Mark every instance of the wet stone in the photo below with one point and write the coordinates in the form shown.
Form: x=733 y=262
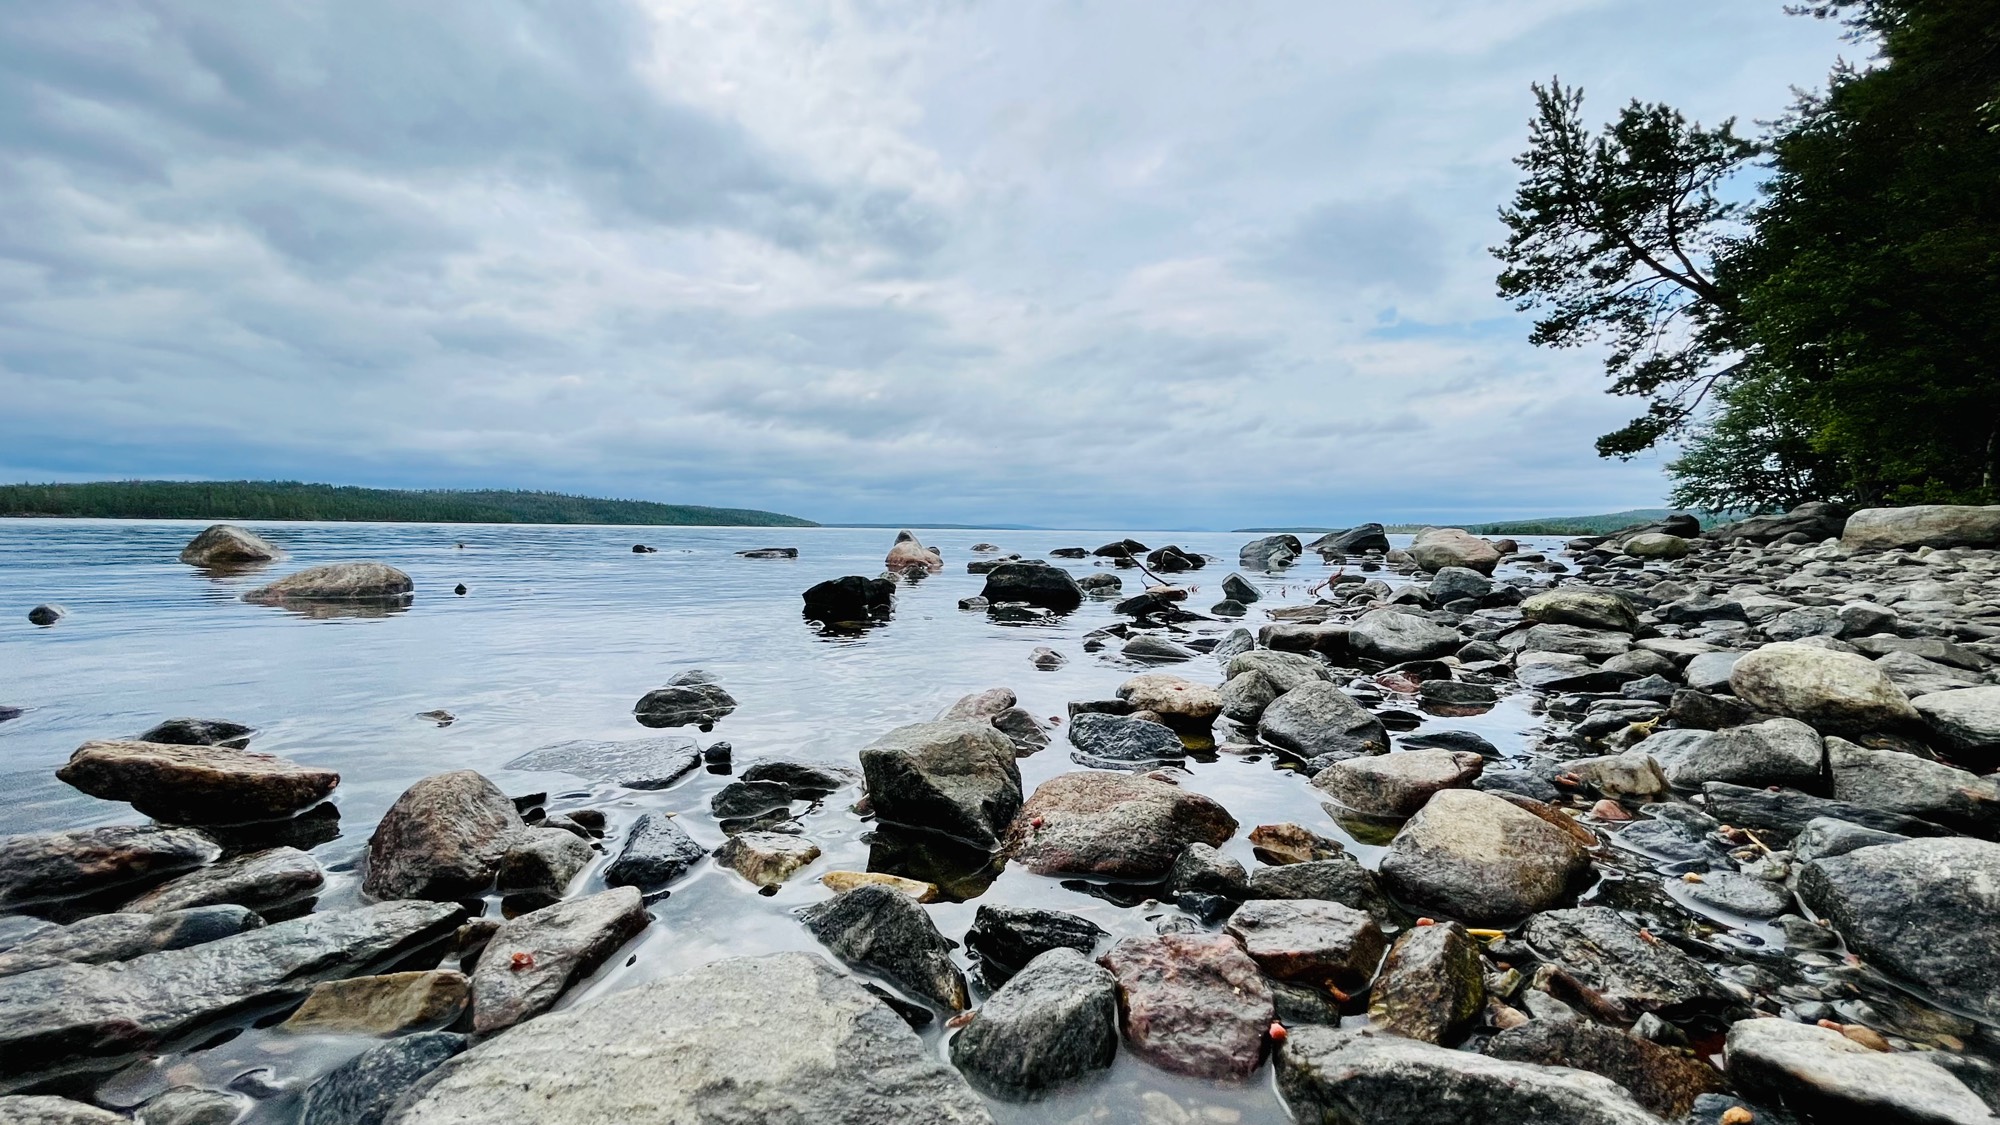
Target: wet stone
x=766 y=858
x=260 y=880
x=1605 y=953
x=1663 y=1080
x=393 y=1004
x=878 y=929
x=199 y=732
x=657 y=851
x=1116 y=825
x=1309 y=939
x=197 y=784
x=362 y=1090
x=533 y=959
x=1006 y=938
x=1432 y=985
x=691 y=699
x=53 y=865
x=1193 y=1004
x=442 y=839
x=1055 y=1021
x=1117 y=742
x=639 y=763
x=121 y=937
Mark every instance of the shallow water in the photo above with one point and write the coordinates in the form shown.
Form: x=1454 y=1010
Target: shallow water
x=561 y=631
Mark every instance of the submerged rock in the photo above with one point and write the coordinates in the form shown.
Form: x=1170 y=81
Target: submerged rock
x=1482 y=858
x=1117 y=825
x=958 y=779
x=657 y=851
x=199 y=732
x=879 y=929
x=197 y=784
x=691 y=699
x=766 y=858
x=637 y=763
x=1357 y=1077
x=337 y=582
x=1193 y=1004
x=50 y=865
x=784 y=1037
x=259 y=880
x=533 y=959
x=1055 y=1021
x=362 y=1090
x=442 y=839
x=74 y=1016
x=225 y=545
x=392 y=1004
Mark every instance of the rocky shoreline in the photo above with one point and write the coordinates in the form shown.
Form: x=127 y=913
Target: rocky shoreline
x=1744 y=870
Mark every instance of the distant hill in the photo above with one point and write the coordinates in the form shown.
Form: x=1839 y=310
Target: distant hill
x=291 y=500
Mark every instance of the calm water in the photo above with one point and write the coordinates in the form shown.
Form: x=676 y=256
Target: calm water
x=561 y=631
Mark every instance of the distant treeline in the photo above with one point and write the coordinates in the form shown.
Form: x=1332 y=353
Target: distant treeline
x=292 y=500
x=1593 y=525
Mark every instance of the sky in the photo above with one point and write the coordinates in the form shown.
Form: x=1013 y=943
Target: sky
x=1073 y=264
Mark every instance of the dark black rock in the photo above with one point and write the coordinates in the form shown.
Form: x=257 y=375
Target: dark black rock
x=691 y=699
x=882 y=930
x=1006 y=938
x=1450 y=740
x=1784 y=813
x=1070 y=553
x=850 y=600
x=46 y=614
x=1172 y=560
x=362 y=1090
x=1034 y=582
x=1354 y=541
x=1521 y=783
x=1055 y=1021
x=741 y=799
x=200 y=732
x=657 y=851
x=639 y=763
x=1609 y=956
x=53 y=865
x=771 y=553
x=804 y=779
x=1118 y=741
x=1341 y=879
x=1124 y=548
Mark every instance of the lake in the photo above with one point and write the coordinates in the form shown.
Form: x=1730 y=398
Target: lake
x=561 y=630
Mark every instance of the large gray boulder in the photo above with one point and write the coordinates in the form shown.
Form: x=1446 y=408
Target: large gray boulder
x=1835 y=692
x=442 y=839
x=226 y=545
x=1435 y=548
x=1775 y=752
x=197 y=784
x=40 y=866
x=1825 y=1076
x=337 y=582
x=958 y=779
x=1581 y=606
x=1354 y=541
x=1392 y=637
x=1966 y=721
x=1922 y=525
x=1272 y=552
x=1335 y=1077
x=72 y=1016
x=1482 y=858
x=1319 y=718
x=1117 y=825
x=779 y=1038
x=1055 y=1021
x=1925 y=910
x=1919 y=787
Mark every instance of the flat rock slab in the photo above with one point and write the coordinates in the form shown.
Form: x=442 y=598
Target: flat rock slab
x=766 y=858
x=442 y=839
x=1482 y=858
x=1397 y=784
x=882 y=930
x=1056 y=1021
x=657 y=851
x=638 y=763
x=1122 y=742
x=197 y=784
x=70 y=1016
x=1925 y=910
x=121 y=937
x=1118 y=825
x=780 y=1038
x=42 y=1109
x=82 y=861
x=1194 y=1004
x=391 y=1004
x=533 y=959
x=1608 y=955
x=1355 y=1077
x=362 y=1090
x=259 y=880
x=1006 y=938
x=1822 y=1073
x=1661 y=1079
x=1309 y=939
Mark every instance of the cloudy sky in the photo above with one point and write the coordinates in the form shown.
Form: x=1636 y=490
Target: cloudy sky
x=1147 y=264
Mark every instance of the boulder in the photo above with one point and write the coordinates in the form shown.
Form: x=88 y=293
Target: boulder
x=1922 y=525
x=1966 y=721
x=1456 y=583
x=1825 y=1076
x=226 y=545
x=1172 y=560
x=1292 y=843
x=958 y=779
x=1240 y=590
x=1116 y=825
x=1176 y=701
x=1397 y=784
x=1272 y=552
x=1007 y=938
x=51 y=865
x=908 y=554
x=691 y=699
x=1781 y=813
x=362 y=1090
x=47 y=614
x=44 y=1109
x=1147 y=648
x=199 y=732
x=635 y=763
x=853 y=599
x=121 y=937
x=442 y=839
x=1435 y=548
x=881 y=930
x=337 y=582
x=1390 y=637
x=1905 y=783
x=197 y=784
x=1924 y=910
x=1632 y=776
x=1119 y=741
x=1774 y=752
x=1123 y=549
x=1432 y=986
x=533 y=959
x=76 y=1016
x=1193 y=1004
x=1354 y=541
x=1664 y=1080
x=657 y=851
x=766 y=858
x=1055 y=1021
x=1309 y=940
x=1835 y=692
x=542 y=861
x=391 y=1004
x=1482 y=858
x=1034 y=582
x=1319 y=718
x=1580 y=606
x=1339 y=878
x=1622 y=968
x=1655 y=545
x=1342 y=1077
x=258 y=880
x=1812 y=521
